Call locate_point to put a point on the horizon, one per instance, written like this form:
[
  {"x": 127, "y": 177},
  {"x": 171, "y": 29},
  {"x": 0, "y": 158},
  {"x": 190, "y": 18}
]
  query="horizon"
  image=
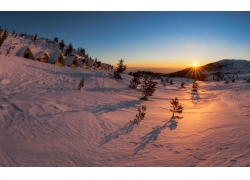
[{"x": 167, "y": 40}]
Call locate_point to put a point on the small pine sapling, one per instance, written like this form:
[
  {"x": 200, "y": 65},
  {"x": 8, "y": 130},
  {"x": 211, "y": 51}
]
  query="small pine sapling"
[
  {"x": 140, "y": 116},
  {"x": 182, "y": 85},
  {"x": 148, "y": 87},
  {"x": 171, "y": 82},
  {"x": 248, "y": 80},
  {"x": 176, "y": 108},
  {"x": 120, "y": 69},
  {"x": 134, "y": 82},
  {"x": 195, "y": 86},
  {"x": 226, "y": 82},
  {"x": 162, "y": 80},
  {"x": 81, "y": 84},
  {"x": 233, "y": 80},
  {"x": 167, "y": 80}
]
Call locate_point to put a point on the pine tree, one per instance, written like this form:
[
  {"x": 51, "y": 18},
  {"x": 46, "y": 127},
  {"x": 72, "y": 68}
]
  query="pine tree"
[
  {"x": 171, "y": 82},
  {"x": 61, "y": 45},
  {"x": 226, "y": 82},
  {"x": 148, "y": 87},
  {"x": 56, "y": 39},
  {"x": 35, "y": 37},
  {"x": 134, "y": 82},
  {"x": 248, "y": 80},
  {"x": 141, "y": 114},
  {"x": 120, "y": 69},
  {"x": 182, "y": 85},
  {"x": 176, "y": 108},
  {"x": 13, "y": 32},
  {"x": 195, "y": 86},
  {"x": 70, "y": 48}
]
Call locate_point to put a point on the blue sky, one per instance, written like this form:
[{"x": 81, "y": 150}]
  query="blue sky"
[{"x": 166, "y": 39}]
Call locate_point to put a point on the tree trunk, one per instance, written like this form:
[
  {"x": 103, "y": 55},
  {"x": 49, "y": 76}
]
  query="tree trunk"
[{"x": 173, "y": 115}]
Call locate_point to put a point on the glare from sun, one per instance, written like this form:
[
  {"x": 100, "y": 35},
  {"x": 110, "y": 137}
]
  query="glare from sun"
[{"x": 195, "y": 64}]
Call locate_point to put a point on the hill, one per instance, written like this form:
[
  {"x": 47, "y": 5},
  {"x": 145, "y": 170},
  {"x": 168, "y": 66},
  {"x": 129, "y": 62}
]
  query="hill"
[
  {"x": 46, "y": 121},
  {"x": 219, "y": 68}
]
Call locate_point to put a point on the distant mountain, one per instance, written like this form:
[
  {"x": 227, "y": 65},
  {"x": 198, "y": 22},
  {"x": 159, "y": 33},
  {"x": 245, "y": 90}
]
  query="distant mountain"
[{"x": 225, "y": 66}]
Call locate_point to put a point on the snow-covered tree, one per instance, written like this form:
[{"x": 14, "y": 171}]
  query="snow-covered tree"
[
  {"x": 148, "y": 87},
  {"x": 175, "y": 107},
  {"x": 141, "y": 114}
]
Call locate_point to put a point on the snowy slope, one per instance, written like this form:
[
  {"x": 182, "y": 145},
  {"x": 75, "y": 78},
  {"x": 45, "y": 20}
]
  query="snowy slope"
[
  {"x": 45, "y": 121},
  {"x": 15, "y": 43},
  {"x": 231, "y": 66}
]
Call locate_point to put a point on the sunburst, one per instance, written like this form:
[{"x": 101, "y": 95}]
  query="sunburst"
[{"x": 195, "y": 71}]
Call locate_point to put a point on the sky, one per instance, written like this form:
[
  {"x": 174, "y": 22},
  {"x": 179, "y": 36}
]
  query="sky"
[{"x": 170, "y": 40}]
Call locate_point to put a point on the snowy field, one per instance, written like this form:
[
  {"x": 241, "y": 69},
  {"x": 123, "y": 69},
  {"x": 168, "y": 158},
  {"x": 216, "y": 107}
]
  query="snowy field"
[{"x": 46, "y": 121}]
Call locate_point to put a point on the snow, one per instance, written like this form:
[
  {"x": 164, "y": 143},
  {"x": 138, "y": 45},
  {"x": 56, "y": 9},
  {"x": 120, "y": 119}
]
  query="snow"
[
  {"x": 69, "y": 60},
  {"x": 21, "y": 51},
  {"x": 39, "y": 54},
  {"x": 53, "y": 57},
  {"x": 46, "y": 121}
]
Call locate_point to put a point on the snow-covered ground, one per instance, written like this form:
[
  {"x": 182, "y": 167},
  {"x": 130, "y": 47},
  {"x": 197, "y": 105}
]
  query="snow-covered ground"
[{"x": 46, "y": 121}]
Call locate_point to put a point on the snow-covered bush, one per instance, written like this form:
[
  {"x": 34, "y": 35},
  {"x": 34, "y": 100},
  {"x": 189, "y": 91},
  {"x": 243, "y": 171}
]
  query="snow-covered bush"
[
  {"x": 176, "y": 108},
  {"x": 140, "y": 116},
  {"x": 148, "y": 87}
]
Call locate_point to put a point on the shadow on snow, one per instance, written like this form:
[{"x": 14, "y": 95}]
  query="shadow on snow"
[
  {"x": 153, "y": 135},
  {"x": 122, "y": 131},
  {"x": 100, "y": 109}
]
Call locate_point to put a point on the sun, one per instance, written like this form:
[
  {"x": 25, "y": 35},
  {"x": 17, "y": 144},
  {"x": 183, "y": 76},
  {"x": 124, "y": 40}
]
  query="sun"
[{"x": 195, "y": 64}]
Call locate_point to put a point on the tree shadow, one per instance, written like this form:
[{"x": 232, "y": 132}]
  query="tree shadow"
[
  {"x": 122, "y": 131},
  {"x": 153, "y": 135},
  {"x": 195, "y": 97},
  {"x": 100, "y": 109}
]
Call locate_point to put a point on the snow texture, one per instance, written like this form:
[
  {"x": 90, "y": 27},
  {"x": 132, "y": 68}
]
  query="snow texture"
[{"x": 46, "y": 121}]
